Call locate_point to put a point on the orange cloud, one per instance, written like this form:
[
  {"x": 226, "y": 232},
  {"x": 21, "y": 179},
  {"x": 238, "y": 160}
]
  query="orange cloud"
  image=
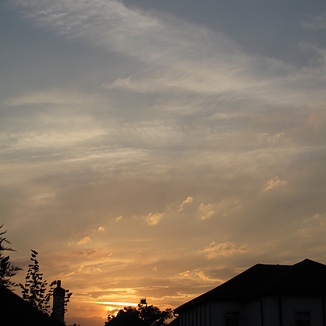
[
  {"x": 84, "y": 240},
  {"x": 154, "y": 219},
  {"x": 223, "y": 249},
  {"x": 187, "y": 201},
  {"x": 205, "y": 211},
  {"x": 274, "y": 183}
]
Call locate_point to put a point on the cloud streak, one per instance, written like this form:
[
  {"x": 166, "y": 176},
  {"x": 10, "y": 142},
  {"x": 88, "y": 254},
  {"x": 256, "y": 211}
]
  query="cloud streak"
[
  {"x": 223, "y": 249},
  {"x": 200, "y": 60},
  {"x": 187, "y": 201},
  {"x": 274, "y": 183}
]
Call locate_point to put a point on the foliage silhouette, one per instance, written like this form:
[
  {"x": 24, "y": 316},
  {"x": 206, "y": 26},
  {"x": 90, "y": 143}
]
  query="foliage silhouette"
[
  {"x": 7, "y": 269},
  {"x": 143, "y": 315},
  {"x": 126, "y": 316},
  {"x": 35, "y": 289}
]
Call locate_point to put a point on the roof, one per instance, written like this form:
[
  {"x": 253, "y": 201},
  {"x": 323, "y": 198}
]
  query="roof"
[
  {"x": 304, "y": 278},
  {"x": 11, "y": 303}
]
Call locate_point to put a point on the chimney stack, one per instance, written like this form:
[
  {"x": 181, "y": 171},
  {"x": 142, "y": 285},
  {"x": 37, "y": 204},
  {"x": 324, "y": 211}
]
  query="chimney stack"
[{"x": 59, "y": 302}]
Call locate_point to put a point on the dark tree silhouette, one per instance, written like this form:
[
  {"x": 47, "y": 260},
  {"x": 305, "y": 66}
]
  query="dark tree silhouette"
[
  {"x": 35, "y": 288},
  {"x": 153, "y": 316},
  {"x": 7, "y": 269},
  {"x": 143, "y": 315},
  {"x": 126, "y": 316}
]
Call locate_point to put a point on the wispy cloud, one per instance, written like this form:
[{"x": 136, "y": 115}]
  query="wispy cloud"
[
  {"x": 206, "y": 210},
  {"x": 315, "y": 22},
  {"x": 271, "y": 139},
  {"x": 187, "y": 201},
  {"x": 274, "y": 183},
  {"x": 84, "y": 240},
  {"x": 223, "y": 249},
  {"x": 154, "y": 218},
  {"x": 53, "y": 97},
  {"x": 182, "y": 56}
]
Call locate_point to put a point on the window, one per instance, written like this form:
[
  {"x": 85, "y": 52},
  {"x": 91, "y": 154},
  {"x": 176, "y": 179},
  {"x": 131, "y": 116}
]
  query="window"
[
  {"x": 232, "y": 318},
  {"x": 302, "y": 318}
]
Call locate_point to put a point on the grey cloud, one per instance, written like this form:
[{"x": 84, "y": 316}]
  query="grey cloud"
[{"x": 315, "y": 22}]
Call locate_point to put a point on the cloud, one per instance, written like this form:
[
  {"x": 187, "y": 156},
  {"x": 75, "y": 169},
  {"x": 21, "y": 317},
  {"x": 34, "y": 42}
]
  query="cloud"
[
  {"x": 316, "y": 23},
  {"x": 226, "y": 205},
  {"x": 198, "y": 275},
  {"x": 310, "y": 229},
  {"x": 154, "y": 219},
  {"x": 206, "y": 211},
  {"x": 119, "y": 218},
  {"x": 51, "y": 139},
  {"x": 271, "y": 139},
  {"x": 320, "y": 218},
  {"x": 53, "y": 98},
  {"x": 223, "y": 249},
  {"x": 43, "y": 198},
  {"x": 84, "y": 240},
  {"x": 88, "y": 239},
  {"x": 187, "y": 201},
  {"x": 185, "y": 273},
  {"x": 65, "y": 276},
  {"x": 202, "y": 275},
  {"x": 274, "y": 183},
  {"x": 162, "y": 42}
]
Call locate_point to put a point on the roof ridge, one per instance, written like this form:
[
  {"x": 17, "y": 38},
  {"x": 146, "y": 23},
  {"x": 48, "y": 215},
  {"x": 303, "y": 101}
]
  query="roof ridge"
[
  {"x": 260, "y": 279},
  {"x": 290, "y": 271}
]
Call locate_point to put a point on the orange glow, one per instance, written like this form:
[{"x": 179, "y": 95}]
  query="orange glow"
[{"x": 118, "y": 304}]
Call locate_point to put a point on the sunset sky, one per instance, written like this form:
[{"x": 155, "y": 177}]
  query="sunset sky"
[{"x": 156, "y": 148}]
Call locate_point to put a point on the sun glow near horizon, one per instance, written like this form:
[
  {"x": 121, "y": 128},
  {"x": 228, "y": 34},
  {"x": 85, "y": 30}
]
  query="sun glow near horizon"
[{"x": 116, "y": 303}]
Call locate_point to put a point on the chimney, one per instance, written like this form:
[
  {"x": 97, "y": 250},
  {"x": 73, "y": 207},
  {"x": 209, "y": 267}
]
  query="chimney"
[{"x": 59, "y": 302}]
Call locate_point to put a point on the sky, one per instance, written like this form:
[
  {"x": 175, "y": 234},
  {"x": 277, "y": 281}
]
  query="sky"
[{"x": 156, "y": 148}]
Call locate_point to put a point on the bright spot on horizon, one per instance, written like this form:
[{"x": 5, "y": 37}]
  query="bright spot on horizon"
[{"x": 117, "y": 304}]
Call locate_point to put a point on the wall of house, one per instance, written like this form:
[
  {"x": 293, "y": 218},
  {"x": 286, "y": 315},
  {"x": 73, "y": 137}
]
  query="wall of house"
[
  {"x": 271, "y": 316},
  {"x": 219, "y": 309},
  {"x": 291, "y": 305},
  {"x": 282, "y": 310},
  {"x": 251, "y": 313},
  {"x": 197, "y": 316},
  {"x": 210, "y": 314}
]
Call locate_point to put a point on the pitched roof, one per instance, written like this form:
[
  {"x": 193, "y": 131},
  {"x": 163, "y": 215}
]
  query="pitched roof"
[
  {"x": 304, "y": 278},
  {"x": 17, "y": 311}
]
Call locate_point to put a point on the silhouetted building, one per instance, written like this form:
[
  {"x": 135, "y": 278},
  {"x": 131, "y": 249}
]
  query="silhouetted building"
[
  {"x": 15, "y": 311},
  {"x": 263, "y": 295},
  {"x": 59, "y": 302}
]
